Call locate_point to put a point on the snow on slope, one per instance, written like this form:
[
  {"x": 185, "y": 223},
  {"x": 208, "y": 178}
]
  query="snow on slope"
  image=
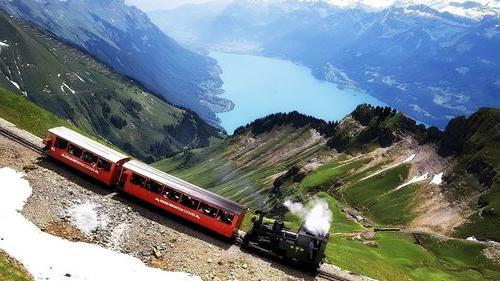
[
  {"x": 86, "y": 218},
  {"x": 472, "y": 9},
  {"x": 407, "y": 160},
  {"x": 415, "y": 179},
  {"x": 48, "y": 257},
  {"x": 437, "y": 179}
]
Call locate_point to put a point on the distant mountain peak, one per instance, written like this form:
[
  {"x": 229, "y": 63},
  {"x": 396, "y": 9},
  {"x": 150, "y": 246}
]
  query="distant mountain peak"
[{"x": 470, "y": 9}]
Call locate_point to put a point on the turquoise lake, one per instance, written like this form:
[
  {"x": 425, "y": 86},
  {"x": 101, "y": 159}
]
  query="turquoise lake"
[{"x": 259, "y": 86}]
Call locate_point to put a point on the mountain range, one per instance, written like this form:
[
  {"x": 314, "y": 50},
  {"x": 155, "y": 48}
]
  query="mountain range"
[
  {"x": 431, "y": 59},
  {"x": 124, "y": 38}
]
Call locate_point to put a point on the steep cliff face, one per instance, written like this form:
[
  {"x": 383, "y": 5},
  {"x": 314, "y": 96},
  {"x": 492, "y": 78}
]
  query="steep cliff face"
[
  {"x": 474, "y": 142},
  {"x": 90, "y": 95},
  {"x": 124, "y": 38}
]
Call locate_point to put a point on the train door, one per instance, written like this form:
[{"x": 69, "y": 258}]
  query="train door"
[{"x": 122, "y": 179}]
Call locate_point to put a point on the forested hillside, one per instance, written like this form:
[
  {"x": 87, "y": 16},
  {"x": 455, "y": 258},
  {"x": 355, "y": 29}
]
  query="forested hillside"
[
  {"x": 81, "y": 90},
  {"x": 124, "y": 38}
]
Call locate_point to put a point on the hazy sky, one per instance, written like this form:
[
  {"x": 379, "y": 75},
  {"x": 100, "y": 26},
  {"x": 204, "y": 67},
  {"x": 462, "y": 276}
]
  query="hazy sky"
[{"x": 148, "y": 5}]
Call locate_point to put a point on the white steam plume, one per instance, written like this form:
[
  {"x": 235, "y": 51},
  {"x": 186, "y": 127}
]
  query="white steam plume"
[
  {"x": 316, "y": 214},
  {"x": 294, "y": 207}
]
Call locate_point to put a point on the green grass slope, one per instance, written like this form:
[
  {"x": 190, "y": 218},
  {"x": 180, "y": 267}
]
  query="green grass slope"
[
  {"x": 402, "y": 257},
  {"x": 24, "y": 114},
  {"x": 77, "y": 88},
  {"x": 378, "y": 198},
  {"x": 11, "y": 270},
  {"x": 243, "y": 169}
]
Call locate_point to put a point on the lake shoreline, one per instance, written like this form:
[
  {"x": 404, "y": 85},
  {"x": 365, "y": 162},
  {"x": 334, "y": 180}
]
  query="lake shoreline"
[{"x": 259, "y": 86}]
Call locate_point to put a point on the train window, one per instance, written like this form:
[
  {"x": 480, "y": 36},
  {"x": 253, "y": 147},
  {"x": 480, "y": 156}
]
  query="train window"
[
  {"x": 154, "y": 187},
  {"x": 75, "y": 150},
  {"x": 189, "y": 202},
  {"x": 172, "y": 194},
  {"x": 89, "y": 157},
  {"x": 103, "y": 165},
  {"x": 61, "y": 143},
  {"x": 138, "y": 180},
  {"x": 208, "y": 210},
  {"x": 226, "y": 217}
]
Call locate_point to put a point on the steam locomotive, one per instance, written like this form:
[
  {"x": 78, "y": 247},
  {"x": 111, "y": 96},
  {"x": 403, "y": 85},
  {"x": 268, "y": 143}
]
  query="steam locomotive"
[{"x": 302, "y": 248}]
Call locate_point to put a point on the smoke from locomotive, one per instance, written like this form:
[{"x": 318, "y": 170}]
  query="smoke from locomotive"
[{"x": 316, "y": 215}]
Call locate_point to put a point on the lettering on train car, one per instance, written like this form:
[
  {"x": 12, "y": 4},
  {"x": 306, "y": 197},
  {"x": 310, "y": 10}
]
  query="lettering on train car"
[
  {"x": 177, "y": 208},
  {"x": 70, "y": 158}
]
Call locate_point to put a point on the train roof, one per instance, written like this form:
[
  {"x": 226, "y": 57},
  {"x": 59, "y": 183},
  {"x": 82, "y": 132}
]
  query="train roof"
[
  {"x": 89, "y": 144},
  {"x": 184, "y": 187}
]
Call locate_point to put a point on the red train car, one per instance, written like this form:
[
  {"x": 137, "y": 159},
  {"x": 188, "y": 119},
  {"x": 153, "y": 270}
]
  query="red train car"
[
  {"x": 181, "y": 198},
  {"x": 85, "y": 155},
  {"x": 176, "y": 196}
]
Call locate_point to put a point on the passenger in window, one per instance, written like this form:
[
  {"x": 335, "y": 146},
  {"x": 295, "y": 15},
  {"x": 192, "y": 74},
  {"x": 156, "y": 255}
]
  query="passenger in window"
[
  {"x": 167, "y": 192},
  {"x": 157, "y": 188},
  {"x": 103, "y": 165},
  {"x": 190, "y": 202},
  {"x": 208, "y": 210},
  {"x": 138, "y": 180},
  {"x": 172, "y": 194},
  {"x": 149, "y": 186},
  {"x": 89, "y": 157},
  {"x": 226, "y": 217},
  {"x": 74, "y": 150},
  {"x": 61, "y": 144},
  {"x": 154, "y": 187}
]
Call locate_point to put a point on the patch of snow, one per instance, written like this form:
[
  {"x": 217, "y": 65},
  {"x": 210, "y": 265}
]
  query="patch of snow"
[
  {"x": 407, "y": 160},
  {"x": 48, "y": 257},
  {"x": 67, "y": 87},
  {"x": 437, "y": 179},
  {"x": 415, "y": 179},
  {"x": 117, "y": 236},
  {"x": 3, "y": 45},
  {"x": 15, "y": 84},
  {"x": 80, "y": 78},
  {"x": 86, "y": 218}
]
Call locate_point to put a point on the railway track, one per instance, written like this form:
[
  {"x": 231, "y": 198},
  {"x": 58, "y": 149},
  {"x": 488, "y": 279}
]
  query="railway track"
[
  {"x": 12, "y": 136},
  {"x": 329, "y": 276}
]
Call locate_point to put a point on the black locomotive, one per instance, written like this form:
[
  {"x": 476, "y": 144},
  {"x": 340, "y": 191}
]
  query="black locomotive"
[{"x": 301, "y": 248}]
